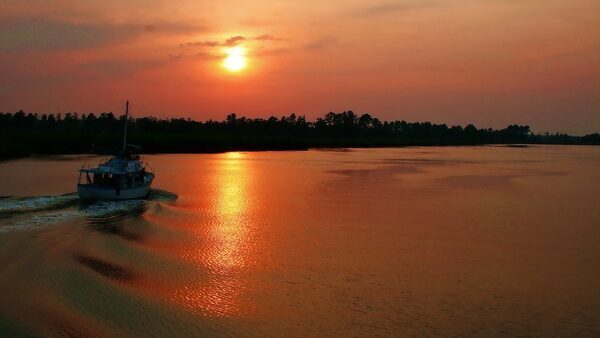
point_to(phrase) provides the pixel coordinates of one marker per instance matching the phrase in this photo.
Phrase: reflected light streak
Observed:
(231, 207)
(230, 248)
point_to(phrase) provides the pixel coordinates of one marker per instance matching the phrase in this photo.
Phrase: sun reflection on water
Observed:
(231, 207)
(230, 242)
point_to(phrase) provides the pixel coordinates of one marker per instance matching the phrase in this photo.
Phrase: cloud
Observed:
(207, 56)
(206, 51)
(198, 55)
(232, 41)
(39, 34)
(268, 37)
(201, 44)
(321, 43)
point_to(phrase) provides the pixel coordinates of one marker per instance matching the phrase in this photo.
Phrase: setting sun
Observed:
(235, 60)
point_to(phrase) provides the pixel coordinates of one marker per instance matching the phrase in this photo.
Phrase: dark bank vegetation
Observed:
(22, 133)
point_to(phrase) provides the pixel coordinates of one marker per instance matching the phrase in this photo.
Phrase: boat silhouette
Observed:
(123, 177)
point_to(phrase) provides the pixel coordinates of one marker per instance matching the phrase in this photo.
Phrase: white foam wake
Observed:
(31, 213)
(28, 204)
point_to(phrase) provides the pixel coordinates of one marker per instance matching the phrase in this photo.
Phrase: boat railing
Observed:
(148, 168)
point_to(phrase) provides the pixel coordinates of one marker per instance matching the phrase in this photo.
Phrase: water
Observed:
(471, 241)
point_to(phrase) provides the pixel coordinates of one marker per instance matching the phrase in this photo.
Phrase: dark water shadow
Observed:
(366, 183)
(427, 161)
(502, 181)
(477, 181)
(376, 173)
(106, 269)
(119, 231)
(539, 172)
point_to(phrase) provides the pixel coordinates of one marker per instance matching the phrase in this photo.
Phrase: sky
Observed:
(487, 62)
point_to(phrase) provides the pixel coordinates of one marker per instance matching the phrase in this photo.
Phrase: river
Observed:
(432, 241)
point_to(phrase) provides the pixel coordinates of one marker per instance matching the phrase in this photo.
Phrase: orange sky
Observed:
(487, 62)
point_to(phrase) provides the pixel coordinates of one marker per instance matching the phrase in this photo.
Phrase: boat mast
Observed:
(125, 133)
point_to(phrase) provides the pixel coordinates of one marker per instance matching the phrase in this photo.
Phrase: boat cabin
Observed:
(117, 173)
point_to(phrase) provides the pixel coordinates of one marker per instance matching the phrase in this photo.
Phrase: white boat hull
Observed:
(94, 192)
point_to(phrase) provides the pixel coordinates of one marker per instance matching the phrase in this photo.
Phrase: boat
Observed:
(123, 177)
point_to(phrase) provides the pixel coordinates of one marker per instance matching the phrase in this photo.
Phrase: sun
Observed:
(235, 60)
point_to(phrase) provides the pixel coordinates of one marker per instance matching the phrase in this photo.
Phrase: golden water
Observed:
(472, 241)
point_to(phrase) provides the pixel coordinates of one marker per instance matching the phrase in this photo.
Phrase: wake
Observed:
(32, 213)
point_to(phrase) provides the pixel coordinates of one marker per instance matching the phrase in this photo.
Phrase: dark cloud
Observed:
(202, 44)
(232, 41)
(207, 56)
(268, 37)
(199, 55)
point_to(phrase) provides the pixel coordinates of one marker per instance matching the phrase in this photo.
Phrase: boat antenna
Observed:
(125, 133)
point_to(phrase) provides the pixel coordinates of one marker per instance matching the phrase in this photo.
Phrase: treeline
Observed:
(26, 133)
